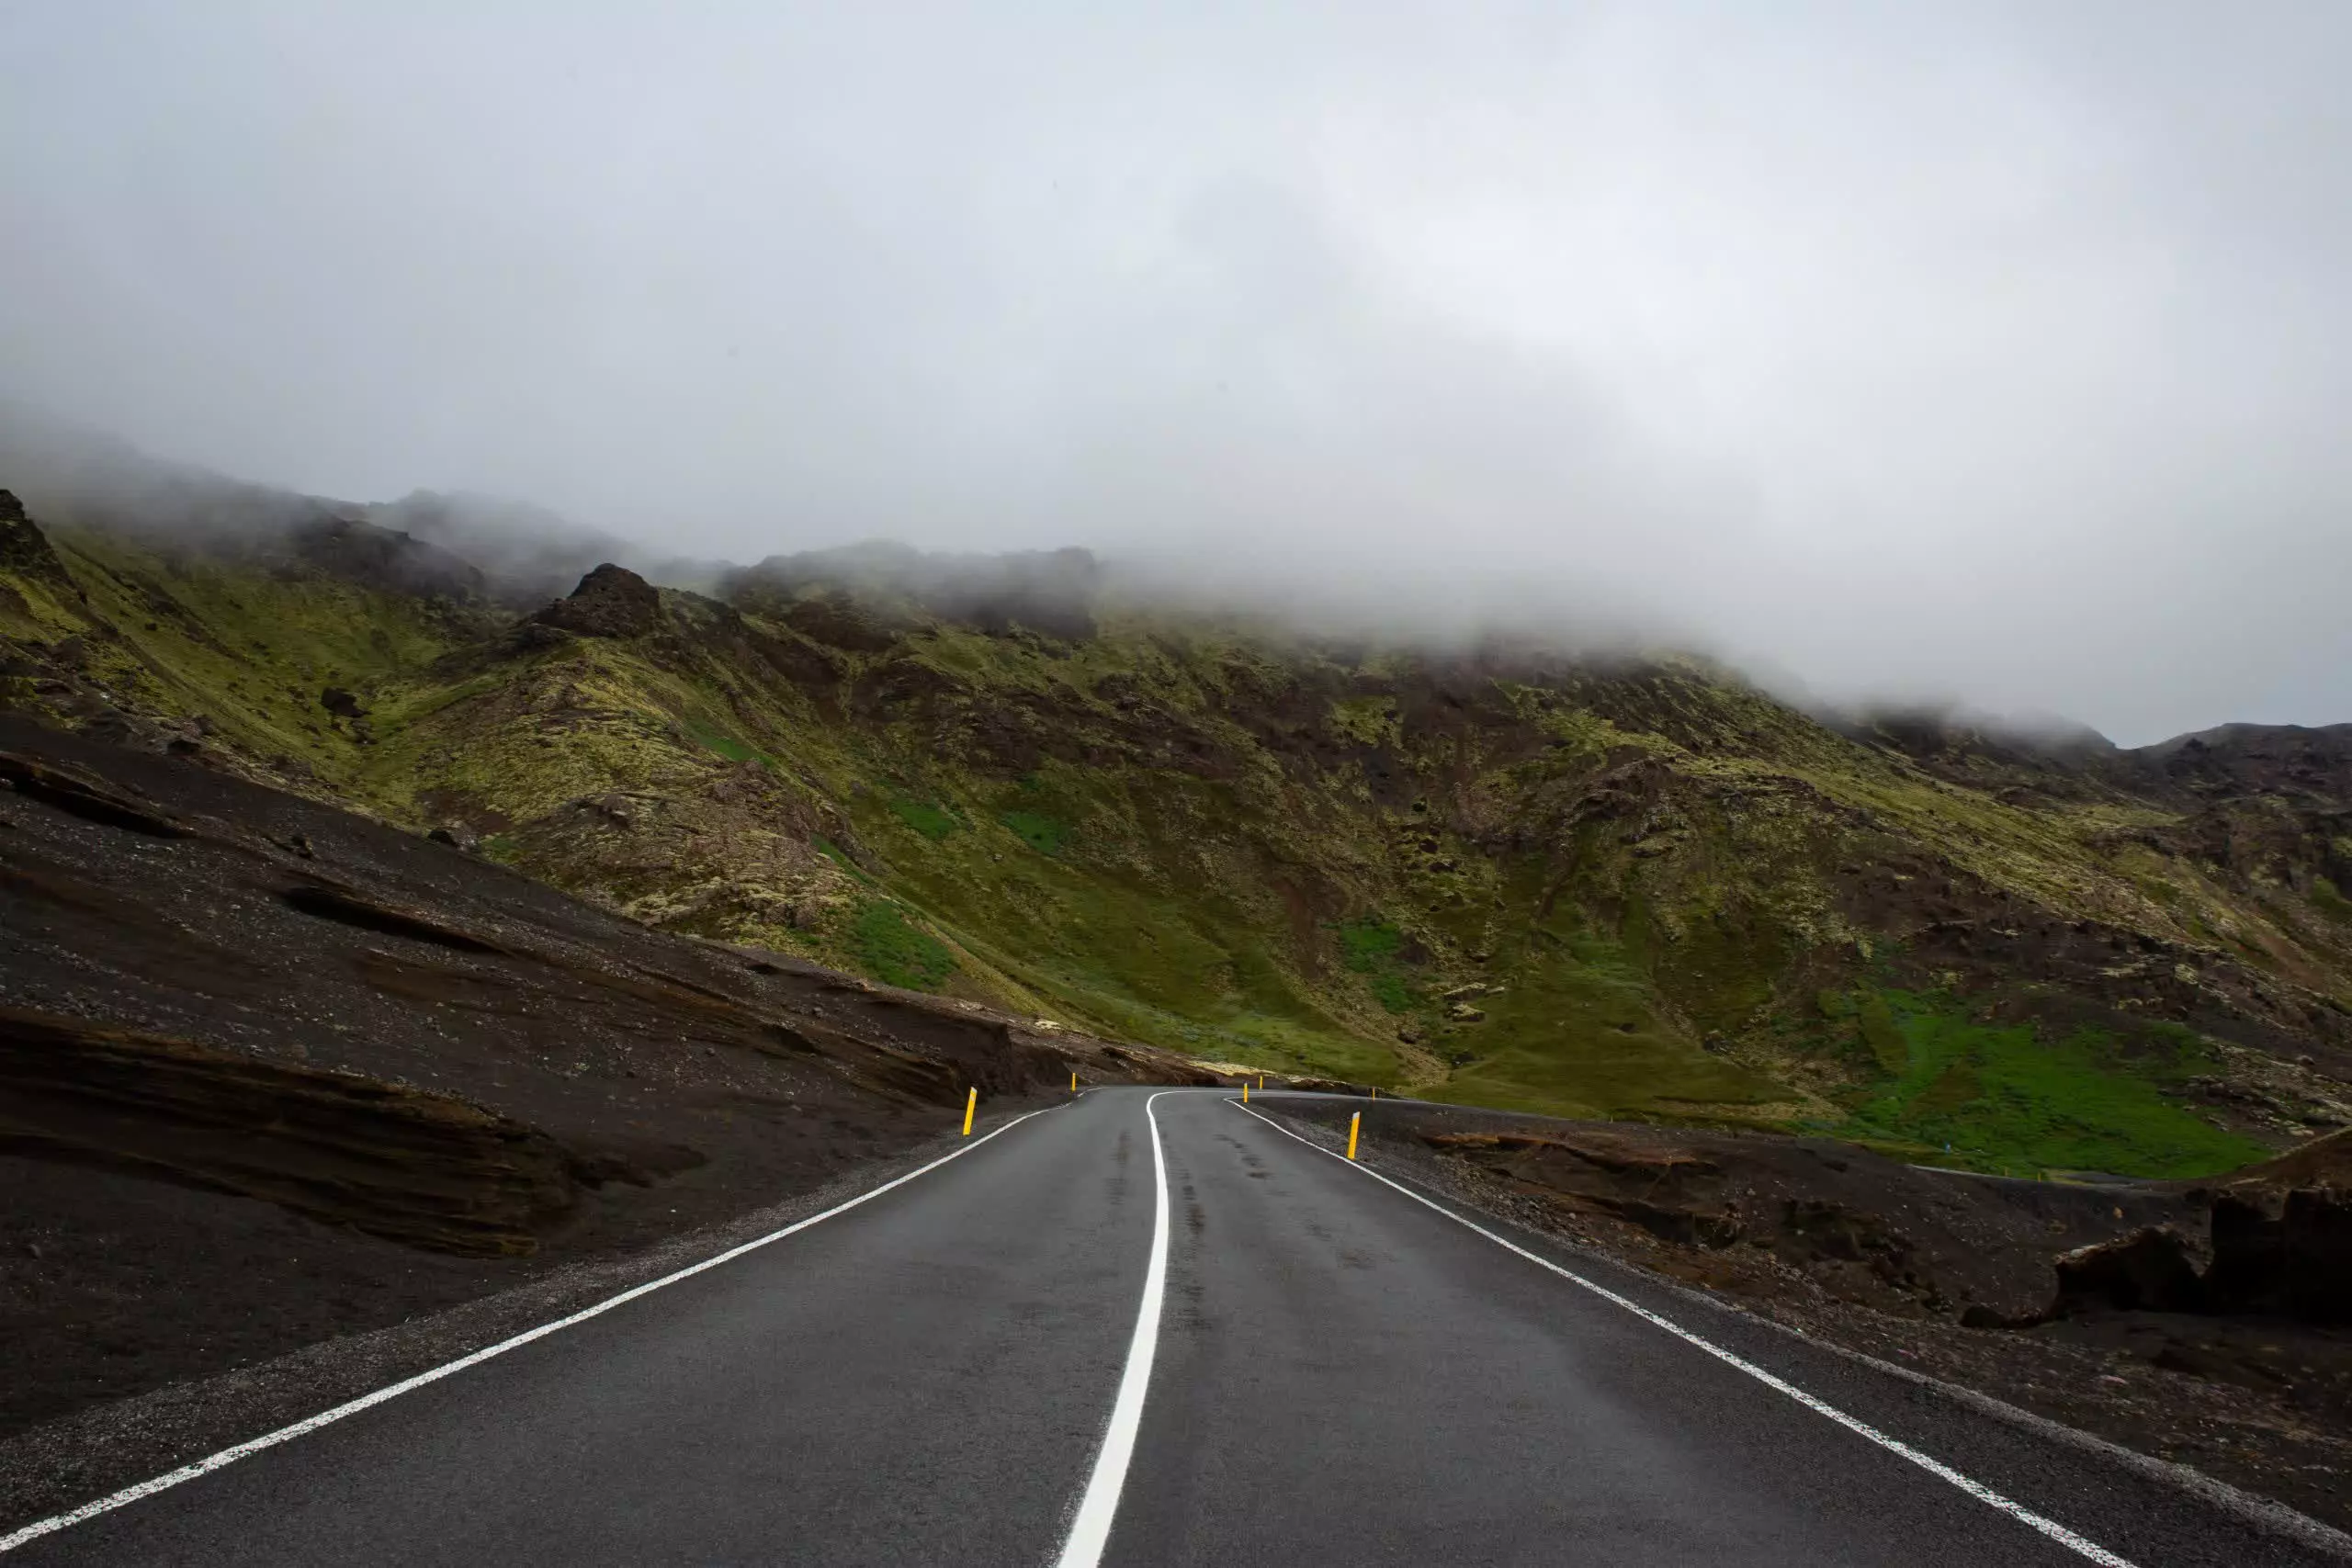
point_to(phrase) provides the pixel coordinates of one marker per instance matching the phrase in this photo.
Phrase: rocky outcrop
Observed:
(2296, 1263)
(384, 559)
(611, 601)
(2281, 1247)
(2291, 761)
(25, 550)
(2148, 1270)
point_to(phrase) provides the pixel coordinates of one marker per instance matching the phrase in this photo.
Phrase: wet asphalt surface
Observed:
(1343, 1376)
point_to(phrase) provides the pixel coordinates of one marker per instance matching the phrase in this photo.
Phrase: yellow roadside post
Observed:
(1073, 1083)
(1375, 1091)
(1355, 1125)
(1245, 1091)
(971, 1103)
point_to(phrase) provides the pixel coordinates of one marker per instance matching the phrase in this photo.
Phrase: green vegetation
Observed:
(1641, 890)
(1577, 1032)
(2007, 1100)
(718, 740)
(1371, 948)
(929, 820)
(1039, 832)
(1889, 1046)
(897, 954)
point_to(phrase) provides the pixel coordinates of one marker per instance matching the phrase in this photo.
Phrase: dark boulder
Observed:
(611, 601)
(2148, 1270)
(2298, 1264)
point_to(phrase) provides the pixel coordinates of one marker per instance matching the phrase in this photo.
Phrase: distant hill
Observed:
(1498, 875)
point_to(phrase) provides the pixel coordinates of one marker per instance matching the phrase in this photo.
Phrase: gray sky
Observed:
(1999, 350)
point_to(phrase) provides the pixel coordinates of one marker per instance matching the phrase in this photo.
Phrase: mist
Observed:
(1998, 354)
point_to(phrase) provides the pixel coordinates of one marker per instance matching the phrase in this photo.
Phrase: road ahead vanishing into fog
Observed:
(1155, 1328)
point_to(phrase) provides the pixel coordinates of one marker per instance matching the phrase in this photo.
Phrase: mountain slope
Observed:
(1497, 874)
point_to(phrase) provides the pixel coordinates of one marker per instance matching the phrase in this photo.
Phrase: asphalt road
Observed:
(1339, 1372)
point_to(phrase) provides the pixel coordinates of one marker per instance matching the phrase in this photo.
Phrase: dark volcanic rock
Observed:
(384, 559)
(611, 601)
(2296, 1265)
(25, 550)
(428, 1169)
(2148, 1270)
(839, 621)
(2289, 760)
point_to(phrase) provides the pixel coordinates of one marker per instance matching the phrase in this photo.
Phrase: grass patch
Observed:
(1883, 1035)
(1372, 947)
(2330, 900)
(2008, 1101)
(712, 739)
(925, 818)
(1577, 1033)
(1041, 833)
(1366, 945)
(899, 953)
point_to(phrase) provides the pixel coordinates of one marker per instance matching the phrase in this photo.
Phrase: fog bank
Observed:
(1997, 352)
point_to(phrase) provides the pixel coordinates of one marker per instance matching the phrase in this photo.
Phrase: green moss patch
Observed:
(1045, 834)
(2007, 1100)
(1576, 1030)
(899, 953)
(1373, 948)
(931, 821)
(711, 738)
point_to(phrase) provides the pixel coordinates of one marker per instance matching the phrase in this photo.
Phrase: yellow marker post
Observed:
(1355, 1125)
(1375, 1091)
(971, 1104)
(1073, 1083)
(1245, 1091)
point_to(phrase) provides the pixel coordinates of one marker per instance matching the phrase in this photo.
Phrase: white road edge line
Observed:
(1090, 1530)
(1934, 1466)
(229, 1456)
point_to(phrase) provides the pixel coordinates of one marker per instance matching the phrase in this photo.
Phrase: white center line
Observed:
(1089, 1532)
(1934, 1467)
(228, 1456)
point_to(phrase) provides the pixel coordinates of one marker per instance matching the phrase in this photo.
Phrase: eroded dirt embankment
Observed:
(428, 1169)
(2198, 1322)
(271, 1073)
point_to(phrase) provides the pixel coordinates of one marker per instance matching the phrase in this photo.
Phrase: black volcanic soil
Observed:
(271, 1073)
(1888, 1259)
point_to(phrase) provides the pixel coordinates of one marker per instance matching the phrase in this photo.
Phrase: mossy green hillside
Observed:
(1640, 888)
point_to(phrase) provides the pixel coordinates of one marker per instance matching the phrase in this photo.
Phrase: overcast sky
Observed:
(2002, 351)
